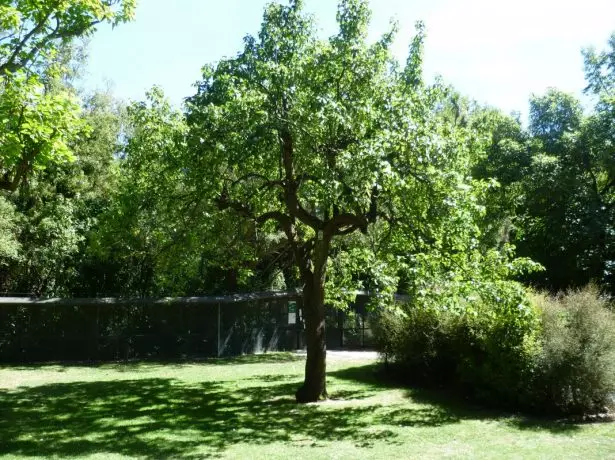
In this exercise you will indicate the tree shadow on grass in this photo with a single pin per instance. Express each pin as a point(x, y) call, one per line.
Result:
point(455, 406)
point(167, 417)
point(159, 417)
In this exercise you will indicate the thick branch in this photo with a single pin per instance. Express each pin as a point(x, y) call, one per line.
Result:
point(346, 231)
point(20, 172)
point(9, 65)
point(345, 223)
point(291, 184)
point(223, 202)
point(8, 184)
point(282, 218)
point(340, 224)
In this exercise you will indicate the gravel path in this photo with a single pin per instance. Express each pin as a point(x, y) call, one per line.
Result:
point(347, 354)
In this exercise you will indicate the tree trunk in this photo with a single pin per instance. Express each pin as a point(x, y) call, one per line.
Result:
point(314, 386)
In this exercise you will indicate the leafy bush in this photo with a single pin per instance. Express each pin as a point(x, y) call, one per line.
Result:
point(480, 339)
point(504, 347)
point(575, 369)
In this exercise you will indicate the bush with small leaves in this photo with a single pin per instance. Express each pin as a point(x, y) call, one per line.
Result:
point(575, 370)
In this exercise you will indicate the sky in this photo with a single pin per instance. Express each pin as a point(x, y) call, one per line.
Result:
point(497, 52)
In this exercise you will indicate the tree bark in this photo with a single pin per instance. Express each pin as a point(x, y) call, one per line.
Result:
point(314, 387)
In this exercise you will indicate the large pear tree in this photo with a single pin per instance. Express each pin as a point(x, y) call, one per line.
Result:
point(329, 141)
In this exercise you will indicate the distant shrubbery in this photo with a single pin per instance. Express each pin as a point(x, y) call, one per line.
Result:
point(504, 347)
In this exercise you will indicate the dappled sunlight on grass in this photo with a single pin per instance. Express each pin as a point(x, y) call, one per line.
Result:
point(244, 408)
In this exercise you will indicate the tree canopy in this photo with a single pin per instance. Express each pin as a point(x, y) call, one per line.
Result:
point(320, 139)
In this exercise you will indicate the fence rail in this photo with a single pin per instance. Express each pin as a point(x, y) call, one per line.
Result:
point(145, 301)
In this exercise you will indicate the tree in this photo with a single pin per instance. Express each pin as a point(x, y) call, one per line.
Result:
point(507, 160)
point(9, 244)
point(143, 221)
point(322, 139)
point(557, 183)
point(54, 164)
point(36, 127)
point(59, 207)
point(598, 158)
point(38, 119)
point(156, 237)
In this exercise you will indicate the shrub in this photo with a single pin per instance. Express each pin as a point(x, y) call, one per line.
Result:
point(575, 369)
point(482, 341)
point(505, 347)
point(416, 341)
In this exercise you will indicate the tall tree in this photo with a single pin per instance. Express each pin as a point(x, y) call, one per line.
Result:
point(324, 138)
point(557, 182)
point(598, 158)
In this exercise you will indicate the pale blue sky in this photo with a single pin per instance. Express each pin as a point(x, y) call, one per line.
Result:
point(495, 51)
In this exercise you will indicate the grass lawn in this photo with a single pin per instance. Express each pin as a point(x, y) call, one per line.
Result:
point(244, 408)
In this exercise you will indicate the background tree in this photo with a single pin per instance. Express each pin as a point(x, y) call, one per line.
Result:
point(157, 236)
point(59, 207)
point(556, 182)
point(506, 162)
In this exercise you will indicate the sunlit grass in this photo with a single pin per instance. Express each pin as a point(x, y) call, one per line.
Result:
point(244, 408)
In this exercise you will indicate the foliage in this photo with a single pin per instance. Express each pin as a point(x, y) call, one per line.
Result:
point(39, 118)
point(50, 239)
point(365, 134)
point(575, 370)
point(37, 127)
point(32, 30)
point(538, 353)
point(482, 341)
point(555, 197)
point(159, 237)
point(136, 225)
point(325, 139)
point(59, 206)
point(56, 166)
point(9, 244)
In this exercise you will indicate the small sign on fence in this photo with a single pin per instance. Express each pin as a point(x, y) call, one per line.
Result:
point(292, 312)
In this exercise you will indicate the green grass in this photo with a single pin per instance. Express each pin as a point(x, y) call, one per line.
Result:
point(244, 408)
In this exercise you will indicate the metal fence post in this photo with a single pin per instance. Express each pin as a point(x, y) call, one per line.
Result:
point(341, 323)
point(218, 329)
point(362, 330)
point(97, 334)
